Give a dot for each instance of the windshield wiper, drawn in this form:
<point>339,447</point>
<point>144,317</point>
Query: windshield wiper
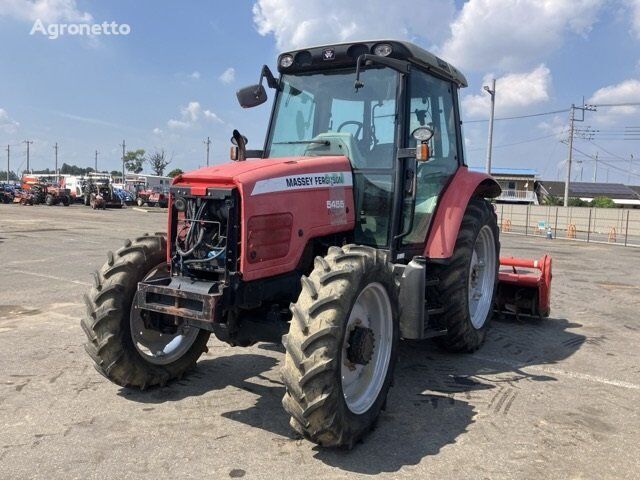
<point>298,142</point>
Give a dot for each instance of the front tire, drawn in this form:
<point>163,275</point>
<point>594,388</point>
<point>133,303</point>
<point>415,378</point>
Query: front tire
<point>468,283</point>
<point>341,346</point>
<point>110,317</point>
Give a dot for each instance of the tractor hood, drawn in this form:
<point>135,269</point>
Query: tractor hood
<point>284,202</point>
<point>270,175</point>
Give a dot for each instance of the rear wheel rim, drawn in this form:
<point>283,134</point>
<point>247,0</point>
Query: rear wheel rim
<point>482,277</point>
<point>362,384</point>
<point>154,346</point>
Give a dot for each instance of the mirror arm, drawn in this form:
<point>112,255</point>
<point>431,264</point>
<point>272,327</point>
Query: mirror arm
<point>272,82</point>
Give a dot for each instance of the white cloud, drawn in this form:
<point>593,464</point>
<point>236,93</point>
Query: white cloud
<point>191,115</point>
<point>510,34</point>
<point>48,11</point>
<point>7,125</point>
<point>627,91</point>
<point>157,131</point>
<point>195,75</point>
<point>514,92</point>
<point>557,126</point>
<point>228,76</point>
<point>634,6</point>
<point>298,24</point>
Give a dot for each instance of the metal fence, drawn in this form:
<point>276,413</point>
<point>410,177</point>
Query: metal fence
<point>602,225</point>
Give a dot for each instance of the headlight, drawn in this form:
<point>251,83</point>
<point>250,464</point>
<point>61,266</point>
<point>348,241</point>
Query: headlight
<point>383,49</point>
<point>180,204</point>
<point>286,61</point>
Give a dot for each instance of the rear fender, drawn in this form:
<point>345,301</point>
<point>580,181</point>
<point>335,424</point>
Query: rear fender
<point>446,222</point>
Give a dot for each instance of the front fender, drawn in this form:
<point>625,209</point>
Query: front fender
<point>447,219</point>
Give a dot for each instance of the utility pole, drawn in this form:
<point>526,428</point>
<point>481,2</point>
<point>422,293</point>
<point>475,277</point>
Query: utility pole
<point>8,161</point>
<point>629,175</point>
<point>96,164</point>
<point>28,142</point>
<point>55,148</point>
<point>595,171</point>
<point>207,142</point>
<point>572,113</point>
<point>123,147</point>
<point>572,119</point>
<point>491,91</point>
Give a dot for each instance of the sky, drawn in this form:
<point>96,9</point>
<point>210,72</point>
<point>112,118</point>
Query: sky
<point>170,82</point>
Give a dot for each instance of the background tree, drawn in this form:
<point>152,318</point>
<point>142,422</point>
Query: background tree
<point>603,202</point>
<point>553,200</point>
<point>175,172</point>
<point>577,202</point>
<point>12,176</point>
<point>133,160</point>
<point>67,169</point>
<point>158,161</point>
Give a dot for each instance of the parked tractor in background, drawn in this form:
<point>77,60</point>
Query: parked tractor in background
<point>103,196</point>
<point>158,198</point>
<point>32,191</point>
<point>357,225</point>
<point>56,195</point>
<point>7,193</point>
<point>98,193</point>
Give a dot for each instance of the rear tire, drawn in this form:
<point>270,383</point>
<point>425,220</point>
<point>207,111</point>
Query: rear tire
<point>140,202</point>
<point>49,200</point>
<point>107,324</point>
<point>467,326</point>
<point>318,348</point>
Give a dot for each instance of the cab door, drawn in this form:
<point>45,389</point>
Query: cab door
<point>431,102</point>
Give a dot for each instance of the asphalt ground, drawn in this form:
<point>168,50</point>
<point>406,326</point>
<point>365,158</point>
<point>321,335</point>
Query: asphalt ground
<point>557,398</point>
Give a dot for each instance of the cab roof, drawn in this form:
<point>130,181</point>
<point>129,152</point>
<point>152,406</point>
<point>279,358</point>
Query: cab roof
<point>326,57</point>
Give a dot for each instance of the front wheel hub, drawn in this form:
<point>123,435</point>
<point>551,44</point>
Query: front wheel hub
<point>361,346</point>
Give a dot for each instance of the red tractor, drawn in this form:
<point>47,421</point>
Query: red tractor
<point>357,225</point>
<point>57,195</point>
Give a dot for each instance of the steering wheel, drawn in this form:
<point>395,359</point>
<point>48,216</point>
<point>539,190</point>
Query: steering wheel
<point>352,122</point>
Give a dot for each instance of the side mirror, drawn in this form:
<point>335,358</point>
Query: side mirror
<point>251,96</point>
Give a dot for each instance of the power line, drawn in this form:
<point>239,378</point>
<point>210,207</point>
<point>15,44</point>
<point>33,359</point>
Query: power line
<point>520,116</point>
<point>599,159</point>
<point>624,104</point>
<point>535,139</point>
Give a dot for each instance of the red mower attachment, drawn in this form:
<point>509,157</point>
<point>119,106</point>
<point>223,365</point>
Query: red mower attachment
<point>524,291</point>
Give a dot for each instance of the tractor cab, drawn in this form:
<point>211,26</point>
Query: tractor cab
<point>391,108</point>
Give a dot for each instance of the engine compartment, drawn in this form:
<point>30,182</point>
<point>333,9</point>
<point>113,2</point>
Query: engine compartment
<point>201,227</point>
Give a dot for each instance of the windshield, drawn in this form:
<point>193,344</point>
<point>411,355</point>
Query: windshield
<point>323,114</point>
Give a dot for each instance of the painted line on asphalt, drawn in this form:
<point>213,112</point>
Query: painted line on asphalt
<point>50,277</point>
<point>557,371</point>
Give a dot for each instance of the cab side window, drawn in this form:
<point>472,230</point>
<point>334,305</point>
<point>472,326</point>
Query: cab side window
<point>431,104</point>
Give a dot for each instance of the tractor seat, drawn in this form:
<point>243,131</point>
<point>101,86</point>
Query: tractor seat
<point>340,143</point>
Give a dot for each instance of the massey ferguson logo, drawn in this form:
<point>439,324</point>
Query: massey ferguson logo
<point>328,54</point>
<point>303,181</point>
